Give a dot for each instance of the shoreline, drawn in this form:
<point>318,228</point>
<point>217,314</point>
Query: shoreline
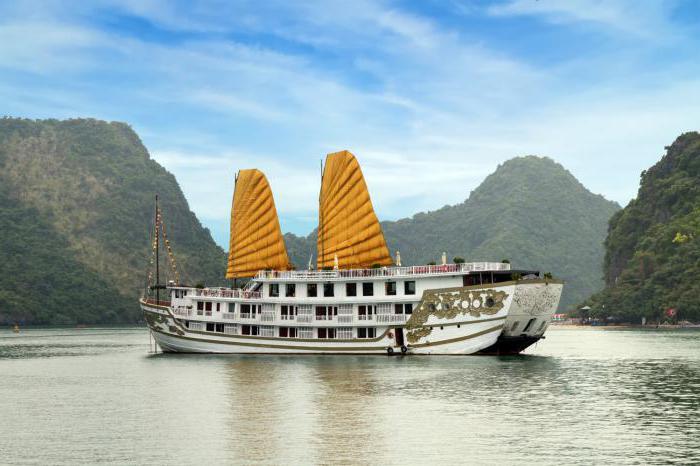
<point>625,326</point>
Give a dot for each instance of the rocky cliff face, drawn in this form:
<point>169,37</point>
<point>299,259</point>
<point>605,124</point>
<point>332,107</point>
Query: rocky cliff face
<point>76,207</point>
<point>652,250</point>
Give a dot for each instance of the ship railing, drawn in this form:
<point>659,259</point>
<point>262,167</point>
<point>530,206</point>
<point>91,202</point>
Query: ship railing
<point>383,271</point>
<point>248,315</point>
<point>305,318</point>
<point>391,318</point>
<point>225,293</point>
<point>228,315</point>
<point>364,317</point>
<point>157,303</point>
<point>182,311</point>
<point>345,319</point>
<point>267,316</point>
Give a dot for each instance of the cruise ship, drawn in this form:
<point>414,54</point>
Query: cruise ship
<point>356,300</point>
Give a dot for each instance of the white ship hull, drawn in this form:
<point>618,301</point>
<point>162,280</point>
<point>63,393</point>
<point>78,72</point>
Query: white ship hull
<point>451,320</point>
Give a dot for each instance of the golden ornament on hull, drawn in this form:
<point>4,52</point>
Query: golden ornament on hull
<point>256,238</point>
<point>348,226</point>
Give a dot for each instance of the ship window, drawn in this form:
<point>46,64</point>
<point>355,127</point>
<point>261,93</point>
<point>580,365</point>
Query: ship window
<point>311,290</point>
<point>398,308</point>
<point>529,324</point>
<point>328,290</point>
<point>207,306</point>
<point>364,312</point>
<point>390,288</point>
<point>290,290</point>
<point>351,289</point>
<point>409,287</point>
<point>470,280</point>
<point>218,307</point>
<point>322,333</point>
<point>514,326</point>
<point>200,306</point>
<point>331,333</point>
<point>361,332</point>
<point>219,328</point>
<point>254,330</point>
<point>288,332</point>
<point>368,289</point>
<point>287,312</point>
<point>245,329</point>
<point>371,332</point>
<point>274,290</point>
<point>408,308</point>
<point>210,327</point>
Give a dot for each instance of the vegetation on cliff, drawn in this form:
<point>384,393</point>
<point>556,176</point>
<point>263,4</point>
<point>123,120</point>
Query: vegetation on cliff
<point>76,208</point>
<point>652,260</point>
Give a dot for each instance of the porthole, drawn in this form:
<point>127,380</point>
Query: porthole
<point>489,302</point>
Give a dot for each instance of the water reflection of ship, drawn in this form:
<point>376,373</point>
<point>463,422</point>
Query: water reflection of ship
<point>315,421</point>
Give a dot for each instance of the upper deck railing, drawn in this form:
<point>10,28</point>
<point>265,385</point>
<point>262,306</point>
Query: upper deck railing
<point>382,271</point>
<point>226,293</point>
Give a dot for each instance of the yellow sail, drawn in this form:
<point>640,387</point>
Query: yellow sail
<point>348,227</point>
<point>256,238</point>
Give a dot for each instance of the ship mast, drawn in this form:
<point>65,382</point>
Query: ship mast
<point>320,217</point>
<point>235,182</point>
<point>157,255</point>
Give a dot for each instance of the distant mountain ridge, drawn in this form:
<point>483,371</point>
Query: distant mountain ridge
<point>531,211</point>
<point>652,258</point>
<point>76,208</point>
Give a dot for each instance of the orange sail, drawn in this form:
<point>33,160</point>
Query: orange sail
<point>256,238</point>
<point>348,227</point>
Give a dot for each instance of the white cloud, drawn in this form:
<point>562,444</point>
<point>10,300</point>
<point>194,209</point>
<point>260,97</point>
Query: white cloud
<point>45,47</point>
<point>642,18</point>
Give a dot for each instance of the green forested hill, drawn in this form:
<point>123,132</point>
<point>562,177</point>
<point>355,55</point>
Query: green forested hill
<point>652,259</point>
<point>530,210</point>
<point>76,206</point>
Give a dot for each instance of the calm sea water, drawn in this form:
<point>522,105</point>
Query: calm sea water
<point>96,396</point>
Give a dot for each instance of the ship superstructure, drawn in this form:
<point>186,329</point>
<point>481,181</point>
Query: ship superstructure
<point>356,301</point>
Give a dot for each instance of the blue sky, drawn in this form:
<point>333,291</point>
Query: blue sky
<point>431,96</point>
